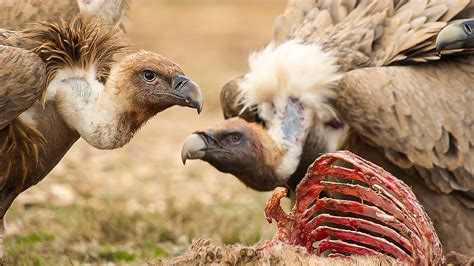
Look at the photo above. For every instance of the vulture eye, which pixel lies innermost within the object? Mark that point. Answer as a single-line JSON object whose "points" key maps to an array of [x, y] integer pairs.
{"points": [[149, 76], [233, 139]]}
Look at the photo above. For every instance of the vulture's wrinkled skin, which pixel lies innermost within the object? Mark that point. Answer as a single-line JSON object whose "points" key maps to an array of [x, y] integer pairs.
{"points": [[364, 76]]}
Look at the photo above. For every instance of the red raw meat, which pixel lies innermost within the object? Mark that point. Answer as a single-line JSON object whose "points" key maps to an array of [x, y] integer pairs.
{"points": [[346, 206]]}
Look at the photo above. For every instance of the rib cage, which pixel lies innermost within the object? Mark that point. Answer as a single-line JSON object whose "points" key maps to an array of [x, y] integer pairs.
{"points": [[355, 209]]}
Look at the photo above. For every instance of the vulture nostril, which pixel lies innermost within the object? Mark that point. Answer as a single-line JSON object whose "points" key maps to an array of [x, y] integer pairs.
{"points": [[181, 84], [467, 28]]}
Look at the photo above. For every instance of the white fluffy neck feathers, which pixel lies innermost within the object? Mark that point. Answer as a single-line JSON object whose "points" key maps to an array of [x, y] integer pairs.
{"points": [[292, 85], [85, 105], [292, 69]]}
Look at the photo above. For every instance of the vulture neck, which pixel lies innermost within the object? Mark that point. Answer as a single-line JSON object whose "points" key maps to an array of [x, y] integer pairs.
{"points": [[294, 96], [289, 129], [98, 112]]}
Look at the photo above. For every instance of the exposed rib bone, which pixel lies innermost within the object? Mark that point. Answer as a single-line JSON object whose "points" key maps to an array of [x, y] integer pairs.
{"points": [[392, 220]]}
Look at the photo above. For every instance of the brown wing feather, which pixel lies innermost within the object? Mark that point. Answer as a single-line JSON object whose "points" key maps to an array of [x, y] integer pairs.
{"points": [[18, 14], [368, 33], [12, 38], [421, 116], [22, 80]]}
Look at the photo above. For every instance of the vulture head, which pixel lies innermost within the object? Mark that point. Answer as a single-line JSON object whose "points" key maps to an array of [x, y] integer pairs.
{"points": [[456, 36], [150, 82], [106, 100], [239, 148], [287, 105]]}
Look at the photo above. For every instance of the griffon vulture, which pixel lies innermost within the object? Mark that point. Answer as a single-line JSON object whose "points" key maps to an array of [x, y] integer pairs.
{"points": [[18, 14], [363, 76], [59, 82]]}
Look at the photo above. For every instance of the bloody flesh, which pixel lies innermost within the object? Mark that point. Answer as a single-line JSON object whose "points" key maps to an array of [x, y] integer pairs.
{"points": [[346, 206]]}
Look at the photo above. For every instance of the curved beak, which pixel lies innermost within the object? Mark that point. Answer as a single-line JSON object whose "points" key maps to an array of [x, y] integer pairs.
{"points": [[456, 36], [194, 147], [187, 91]]}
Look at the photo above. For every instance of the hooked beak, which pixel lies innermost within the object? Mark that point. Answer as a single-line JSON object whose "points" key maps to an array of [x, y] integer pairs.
{"points": [[194, 148], [456, 36], [197, 145], [187, 91]]}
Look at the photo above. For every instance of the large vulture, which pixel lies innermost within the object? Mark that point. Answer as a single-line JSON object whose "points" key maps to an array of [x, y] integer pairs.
{"points": [[18, 14], [362, 76], [59, 82]]}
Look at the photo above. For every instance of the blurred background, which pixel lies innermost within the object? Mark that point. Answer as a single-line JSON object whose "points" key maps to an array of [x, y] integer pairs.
{"points": [[140, 203]]}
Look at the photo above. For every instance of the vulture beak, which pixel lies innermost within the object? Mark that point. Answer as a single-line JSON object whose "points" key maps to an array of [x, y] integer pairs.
{"points": [[187, 91], [194, 147], [197, 145], [456, 36]]}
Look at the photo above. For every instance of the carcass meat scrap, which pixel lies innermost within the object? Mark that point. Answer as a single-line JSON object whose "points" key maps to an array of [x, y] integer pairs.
{"points": [[346, 206]]}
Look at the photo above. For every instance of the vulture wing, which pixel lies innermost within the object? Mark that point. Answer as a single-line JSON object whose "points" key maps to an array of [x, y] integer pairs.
{"points": [[17, 14], [12, 38], [369, 33], [358, 34], [421, 116], [22, 81]]}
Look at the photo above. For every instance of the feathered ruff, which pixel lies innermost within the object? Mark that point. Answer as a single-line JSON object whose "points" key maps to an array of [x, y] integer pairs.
{"points": [[291, 69], [81, 43]]}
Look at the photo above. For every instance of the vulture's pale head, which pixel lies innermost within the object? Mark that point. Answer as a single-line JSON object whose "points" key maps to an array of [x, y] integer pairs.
{"points": [[456, 36], [107, 100], [287, 103], [150, 82]]}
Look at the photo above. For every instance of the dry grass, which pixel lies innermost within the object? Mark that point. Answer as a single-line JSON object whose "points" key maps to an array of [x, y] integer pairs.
{"points": [[202, 252], [139, 203]]}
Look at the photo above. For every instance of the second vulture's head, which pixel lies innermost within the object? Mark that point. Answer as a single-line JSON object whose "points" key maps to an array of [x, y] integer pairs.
{"points": [[239, 148], [287, 118], [456, 36]]}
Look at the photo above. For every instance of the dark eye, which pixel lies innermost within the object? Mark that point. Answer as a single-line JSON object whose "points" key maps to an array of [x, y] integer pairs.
{"points": [[149, 76], [233, 139]]}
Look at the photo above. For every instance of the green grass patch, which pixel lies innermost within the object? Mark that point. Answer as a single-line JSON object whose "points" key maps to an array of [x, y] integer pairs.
{"points": [[108, 233]]}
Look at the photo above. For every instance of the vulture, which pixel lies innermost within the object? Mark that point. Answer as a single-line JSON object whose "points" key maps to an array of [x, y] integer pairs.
{"points": [[59, 82], [362, 76], [18, 14]]}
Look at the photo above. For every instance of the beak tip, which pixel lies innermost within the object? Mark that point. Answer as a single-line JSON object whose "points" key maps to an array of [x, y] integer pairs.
{"points": [[184, 155], [192, 148]]}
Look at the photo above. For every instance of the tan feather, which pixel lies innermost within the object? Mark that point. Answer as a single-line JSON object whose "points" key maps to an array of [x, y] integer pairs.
{"points": [[20, 14], [429, 126]]}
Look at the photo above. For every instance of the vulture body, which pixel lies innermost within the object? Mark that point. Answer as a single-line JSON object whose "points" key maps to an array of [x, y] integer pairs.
{"points": [[18, 14], [363, 76], [59, 82]]}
